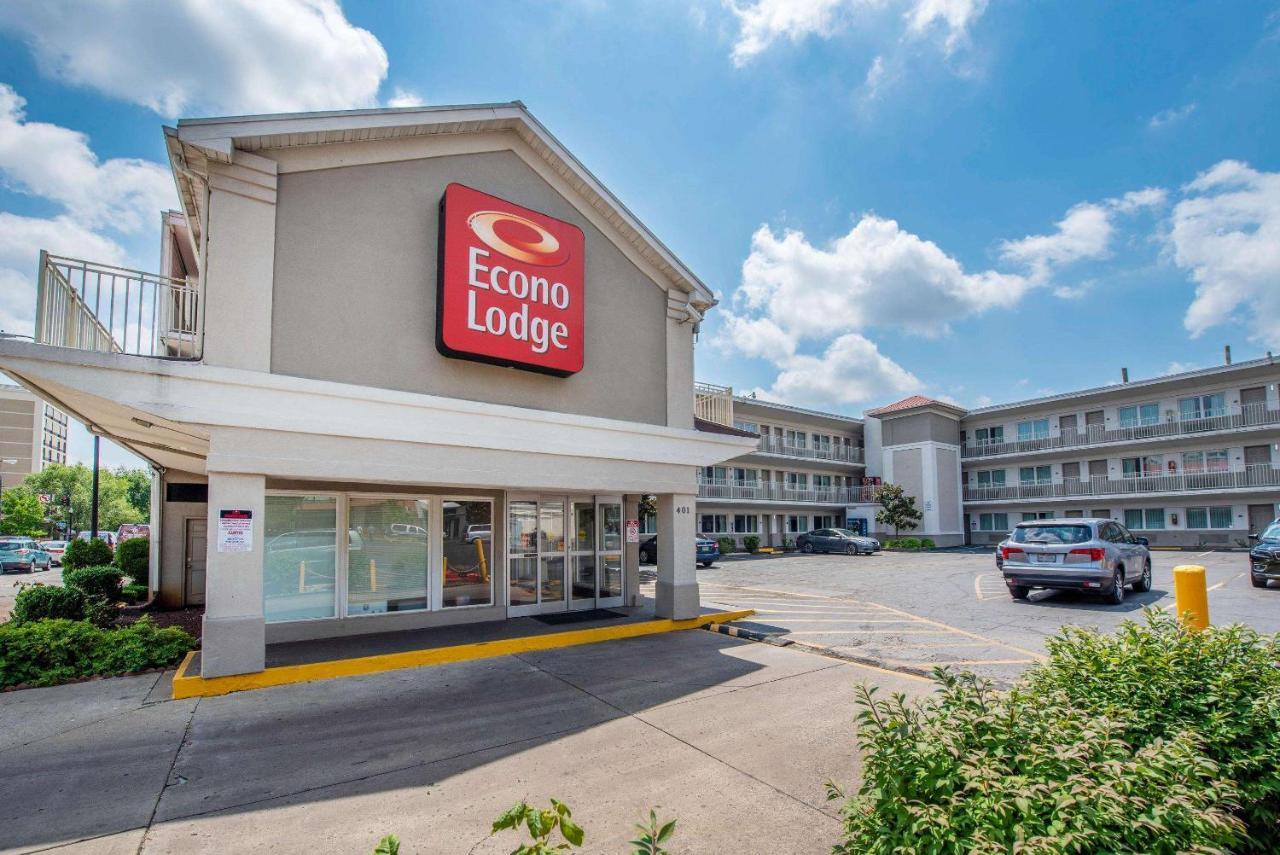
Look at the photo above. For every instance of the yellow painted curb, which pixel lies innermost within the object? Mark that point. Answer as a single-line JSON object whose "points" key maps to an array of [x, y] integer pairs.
{"points": [[200, 687]]}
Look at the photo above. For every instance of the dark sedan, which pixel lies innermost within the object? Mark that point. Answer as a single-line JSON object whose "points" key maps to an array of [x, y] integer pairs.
{"points": [[1264, 557], [707, 551]]}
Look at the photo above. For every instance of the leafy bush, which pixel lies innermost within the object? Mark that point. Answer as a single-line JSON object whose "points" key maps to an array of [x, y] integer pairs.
{"points": [[134, 593], [1154, 739], [927, 543], [727, 545], [542, 824], [101, 582], [1160, 679], [911, 544], [41, 602], [86, 553], [133, 557], [48, 652], [751, 543]]}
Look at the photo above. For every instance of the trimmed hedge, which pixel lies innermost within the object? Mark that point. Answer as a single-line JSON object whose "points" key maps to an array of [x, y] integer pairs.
{"points": [[909, 544], [86, 553], [48, 652], [751, 543], [1154, 739], [40, 602], [727, 545], [133, 557], [100, 582]]}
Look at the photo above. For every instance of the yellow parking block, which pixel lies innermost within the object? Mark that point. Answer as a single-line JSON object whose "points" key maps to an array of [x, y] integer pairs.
{"points": [[193, 686]]}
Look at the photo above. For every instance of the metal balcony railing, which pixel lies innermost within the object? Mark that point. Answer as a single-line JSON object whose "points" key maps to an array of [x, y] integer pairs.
{"points": [[88, 306], [772, 491], [713, 403], [837, 453], [1258, 475], [1248, 415]]}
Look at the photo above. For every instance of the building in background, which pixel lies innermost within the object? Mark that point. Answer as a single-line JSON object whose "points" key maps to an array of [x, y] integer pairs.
{"points": [[33, 434], [808, 471]]}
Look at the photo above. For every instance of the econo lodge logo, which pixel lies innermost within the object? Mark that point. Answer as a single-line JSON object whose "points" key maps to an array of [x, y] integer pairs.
{"points": [[510, 284]]}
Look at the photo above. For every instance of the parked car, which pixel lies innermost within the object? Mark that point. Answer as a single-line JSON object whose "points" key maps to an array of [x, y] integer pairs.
{"points": [[479, 532], [707, 551], [406, 530], [1264, 556], [1076, 554], [1000, 553], [837, 540], [55, 548], [109, 537], [24, 555]]}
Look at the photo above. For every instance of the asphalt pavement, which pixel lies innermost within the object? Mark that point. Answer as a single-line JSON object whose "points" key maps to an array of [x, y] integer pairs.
{"points": [[914, 611], [11, 584]]}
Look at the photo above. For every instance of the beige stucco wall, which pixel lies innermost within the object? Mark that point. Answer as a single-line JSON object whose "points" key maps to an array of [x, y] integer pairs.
{"points": [[355, 289], [920, 427], [948, 489], [908, 472]]}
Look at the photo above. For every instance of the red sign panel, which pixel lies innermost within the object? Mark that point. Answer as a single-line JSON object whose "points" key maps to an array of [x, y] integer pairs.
{"points": [[510, 284]]}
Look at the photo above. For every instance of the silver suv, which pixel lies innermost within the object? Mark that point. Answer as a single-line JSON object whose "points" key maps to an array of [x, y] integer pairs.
{"points": [[1075, 554]]}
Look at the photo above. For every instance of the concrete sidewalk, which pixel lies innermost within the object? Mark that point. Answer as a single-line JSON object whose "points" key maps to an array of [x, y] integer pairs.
{"points": [[735, 739]]}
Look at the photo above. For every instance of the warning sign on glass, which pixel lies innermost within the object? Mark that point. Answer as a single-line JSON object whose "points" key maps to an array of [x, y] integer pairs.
{"points": [[235, 530], [510, 284]]}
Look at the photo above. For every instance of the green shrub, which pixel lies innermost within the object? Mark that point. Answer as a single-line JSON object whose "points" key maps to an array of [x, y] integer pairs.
{"points": [[48, 652], [727, 545], [1153, 739], [101, 581], [135, 593], [86, 553], [1160, 679], [41, 602], [927, 543], [133, 557], [751, 543]]}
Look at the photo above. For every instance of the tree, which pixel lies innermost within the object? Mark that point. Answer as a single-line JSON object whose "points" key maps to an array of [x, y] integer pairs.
{"points": [[896, 508], [76, 481], [137, 489], [23, 513]]}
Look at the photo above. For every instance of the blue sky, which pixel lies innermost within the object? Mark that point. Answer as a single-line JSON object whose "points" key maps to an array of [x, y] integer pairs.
{"points": [[982, 201]]}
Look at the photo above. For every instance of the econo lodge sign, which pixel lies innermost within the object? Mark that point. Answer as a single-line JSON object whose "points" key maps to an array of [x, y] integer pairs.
{"points": [[510, 284]]}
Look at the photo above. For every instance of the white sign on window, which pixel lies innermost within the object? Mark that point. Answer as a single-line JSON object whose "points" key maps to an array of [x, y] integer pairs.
{"points": [[235, 530]]}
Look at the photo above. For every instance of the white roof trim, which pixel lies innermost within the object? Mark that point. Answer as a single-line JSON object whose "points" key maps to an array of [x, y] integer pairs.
{"points": [[218, 138]]}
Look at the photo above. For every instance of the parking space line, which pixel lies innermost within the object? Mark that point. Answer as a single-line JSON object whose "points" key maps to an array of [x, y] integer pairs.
{"points": [[991, 641], [1225, 582], [1203, 554], [918, 662]]}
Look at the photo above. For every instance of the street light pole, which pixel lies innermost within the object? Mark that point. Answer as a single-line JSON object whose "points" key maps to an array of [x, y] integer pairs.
{"points": [[93, 504]]}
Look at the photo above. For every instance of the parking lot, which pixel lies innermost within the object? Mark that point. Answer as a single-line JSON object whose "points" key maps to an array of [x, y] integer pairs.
{"points": [[10, 585], [914, 611]]}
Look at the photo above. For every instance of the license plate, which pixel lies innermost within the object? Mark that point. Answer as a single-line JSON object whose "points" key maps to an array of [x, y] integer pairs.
{"points": [[1046, 558]]}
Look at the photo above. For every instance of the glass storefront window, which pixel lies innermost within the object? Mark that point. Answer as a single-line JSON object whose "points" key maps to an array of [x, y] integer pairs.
{"points": [[388, 555], [468, 551], [299, 557]]}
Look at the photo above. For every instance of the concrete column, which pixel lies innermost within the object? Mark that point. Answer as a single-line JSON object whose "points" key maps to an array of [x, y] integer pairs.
{"points": [[234, 630], [677, 590], [154, 531], [631, 554]]}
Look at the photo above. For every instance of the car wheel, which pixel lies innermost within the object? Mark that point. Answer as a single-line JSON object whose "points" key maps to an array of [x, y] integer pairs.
{"points": [[806, 547], [1115, 596], [1144, 581], [851, 549], [706, 564], [1258, 581], [1019, 592]]}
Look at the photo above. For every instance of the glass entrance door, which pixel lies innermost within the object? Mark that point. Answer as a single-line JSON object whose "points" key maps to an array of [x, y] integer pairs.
{"points": [[536, 555], [609, 551], [582, 555]]}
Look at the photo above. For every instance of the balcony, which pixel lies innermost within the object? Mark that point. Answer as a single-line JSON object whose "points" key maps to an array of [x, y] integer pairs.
{"points": [[772, 491], [88, 306], [1249, 477], [713, 403], [833, 453], [1247, 416]]}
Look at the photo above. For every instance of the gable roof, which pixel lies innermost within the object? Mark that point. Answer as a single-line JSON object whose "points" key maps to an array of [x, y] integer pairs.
{"points": [[912, 403], [217, 138]]}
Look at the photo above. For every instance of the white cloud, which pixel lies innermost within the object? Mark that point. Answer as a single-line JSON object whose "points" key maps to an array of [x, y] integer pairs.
{"points": [[401, 97], [762, 23], [765, 21], [875, 77], [1072, 292], [1176, 367], [1171, 116], [98, 199], [56, 163], [851, 370], [954, 17], [230, 56], [1226, 232]]}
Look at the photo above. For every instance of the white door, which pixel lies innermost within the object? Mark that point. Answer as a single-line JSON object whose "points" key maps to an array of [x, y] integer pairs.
{"points": [[196, 546], [609, 551]]}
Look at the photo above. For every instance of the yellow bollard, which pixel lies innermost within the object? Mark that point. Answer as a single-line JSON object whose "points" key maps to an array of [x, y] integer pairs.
{"points": [[373, 575], [484, 565], [1191, 596]]}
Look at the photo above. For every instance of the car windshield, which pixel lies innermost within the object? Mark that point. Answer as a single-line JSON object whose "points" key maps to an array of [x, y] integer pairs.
{"points": [[1272, 533], [1052, 534]]}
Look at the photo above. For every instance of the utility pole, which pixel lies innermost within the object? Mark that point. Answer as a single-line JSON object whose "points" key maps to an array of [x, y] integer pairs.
{"points": [[93, 503]]}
